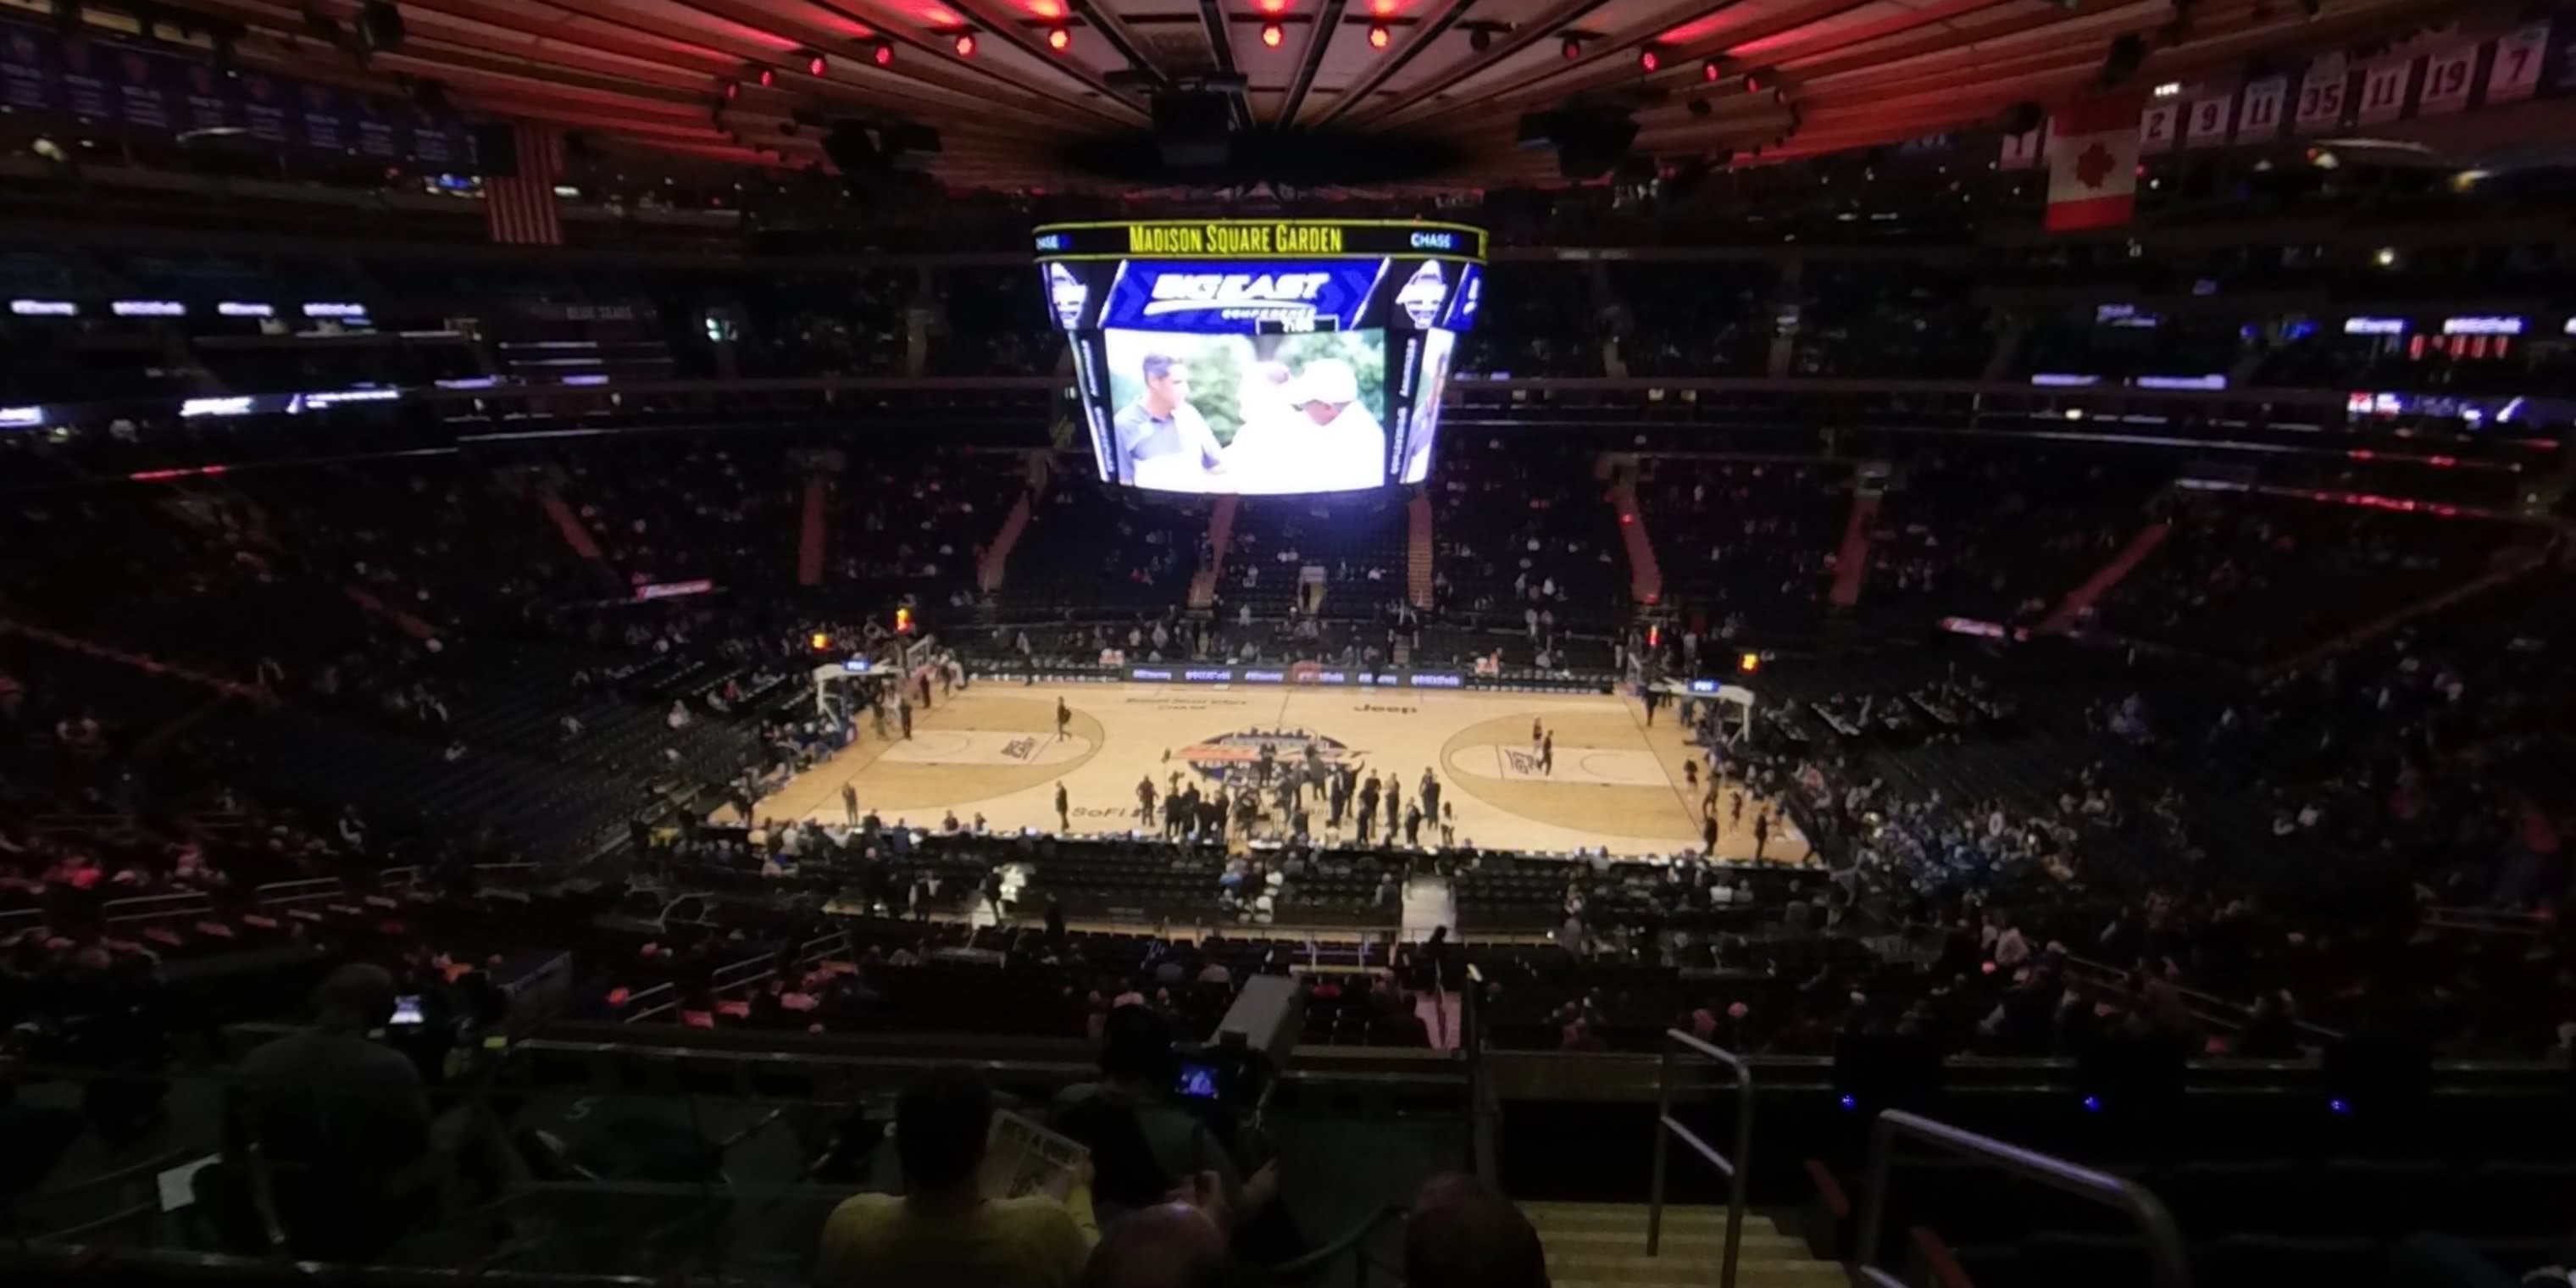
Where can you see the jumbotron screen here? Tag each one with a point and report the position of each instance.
(1262, 357)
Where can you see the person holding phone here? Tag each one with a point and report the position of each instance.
(1147, 1138)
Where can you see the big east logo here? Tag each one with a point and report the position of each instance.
(1238, 296)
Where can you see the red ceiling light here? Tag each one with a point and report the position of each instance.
(732, 90)
(1752, 83)
(816, 65)
(965, 44)
(1272, 34)
(1059, 39)
(1648, 60)
(1379, 36)
(768, 77)
(1572, 49)
(1271, 6)
(1708, 70)
(1383, 8)
(881, 52)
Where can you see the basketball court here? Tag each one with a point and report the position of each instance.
(994, 750)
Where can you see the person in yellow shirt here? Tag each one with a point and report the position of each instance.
(943, 1233)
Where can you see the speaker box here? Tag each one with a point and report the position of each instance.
(380, 26)
(1589, 141)
(1193, 128)
(852, 151)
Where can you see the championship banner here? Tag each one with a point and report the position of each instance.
(2205, 121)
(143, 88)
(2322, 94)
(2258, 112)
(2384, 86)
(2332, 94)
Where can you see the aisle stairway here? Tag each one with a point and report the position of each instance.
(1418, 573)
(1603, 1245)
(1220, 542)
(1851, 563)
(1645, 574)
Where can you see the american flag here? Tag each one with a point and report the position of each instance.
(522, 207)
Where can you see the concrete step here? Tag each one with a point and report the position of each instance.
(1626, 1216)
(1689, 1272)
(1760, 1239)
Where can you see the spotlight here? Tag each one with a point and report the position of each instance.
(1708, 71)
(965, 44)
(816, 65)
(1648, 60)
(732, 90)
(1480, 38)
(1379, 36)
(1382, 8)
(1850, 1102)
(2092, 1104)
(1272, 6)
(768, 77)
(1752, 83)
(1572, 49)
(881, 52)
(1272, 34)
(1059, 39)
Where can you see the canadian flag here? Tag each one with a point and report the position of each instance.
(2093, 163)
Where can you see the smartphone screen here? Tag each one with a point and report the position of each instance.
(1198, 1081)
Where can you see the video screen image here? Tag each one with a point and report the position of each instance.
(1250, 414)
(1423, 421)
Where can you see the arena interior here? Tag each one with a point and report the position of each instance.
(1274, 642)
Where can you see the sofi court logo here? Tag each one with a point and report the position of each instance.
(1238, 297)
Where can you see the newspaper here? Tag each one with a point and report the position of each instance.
(1024, 1158)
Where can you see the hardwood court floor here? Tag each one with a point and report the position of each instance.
(993, 750)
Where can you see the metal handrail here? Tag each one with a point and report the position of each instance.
(1483, 1106)
(1736, 1170)
(2164, 1242)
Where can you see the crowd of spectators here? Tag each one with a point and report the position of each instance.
(2121, 845)
(2002, 536)
(2256, 579)
(1746, 547)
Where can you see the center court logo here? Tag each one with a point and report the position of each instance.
(1235, 758)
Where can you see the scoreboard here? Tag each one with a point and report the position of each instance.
(1262, 356)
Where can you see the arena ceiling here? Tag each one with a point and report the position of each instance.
(1442, 82)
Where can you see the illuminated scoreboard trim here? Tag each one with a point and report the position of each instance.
(1253, 239)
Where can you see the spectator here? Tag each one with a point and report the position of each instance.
(1138, 1072)
(944, 1230)
(1169, 1245)
(341, 1123)
(1465, 1234)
